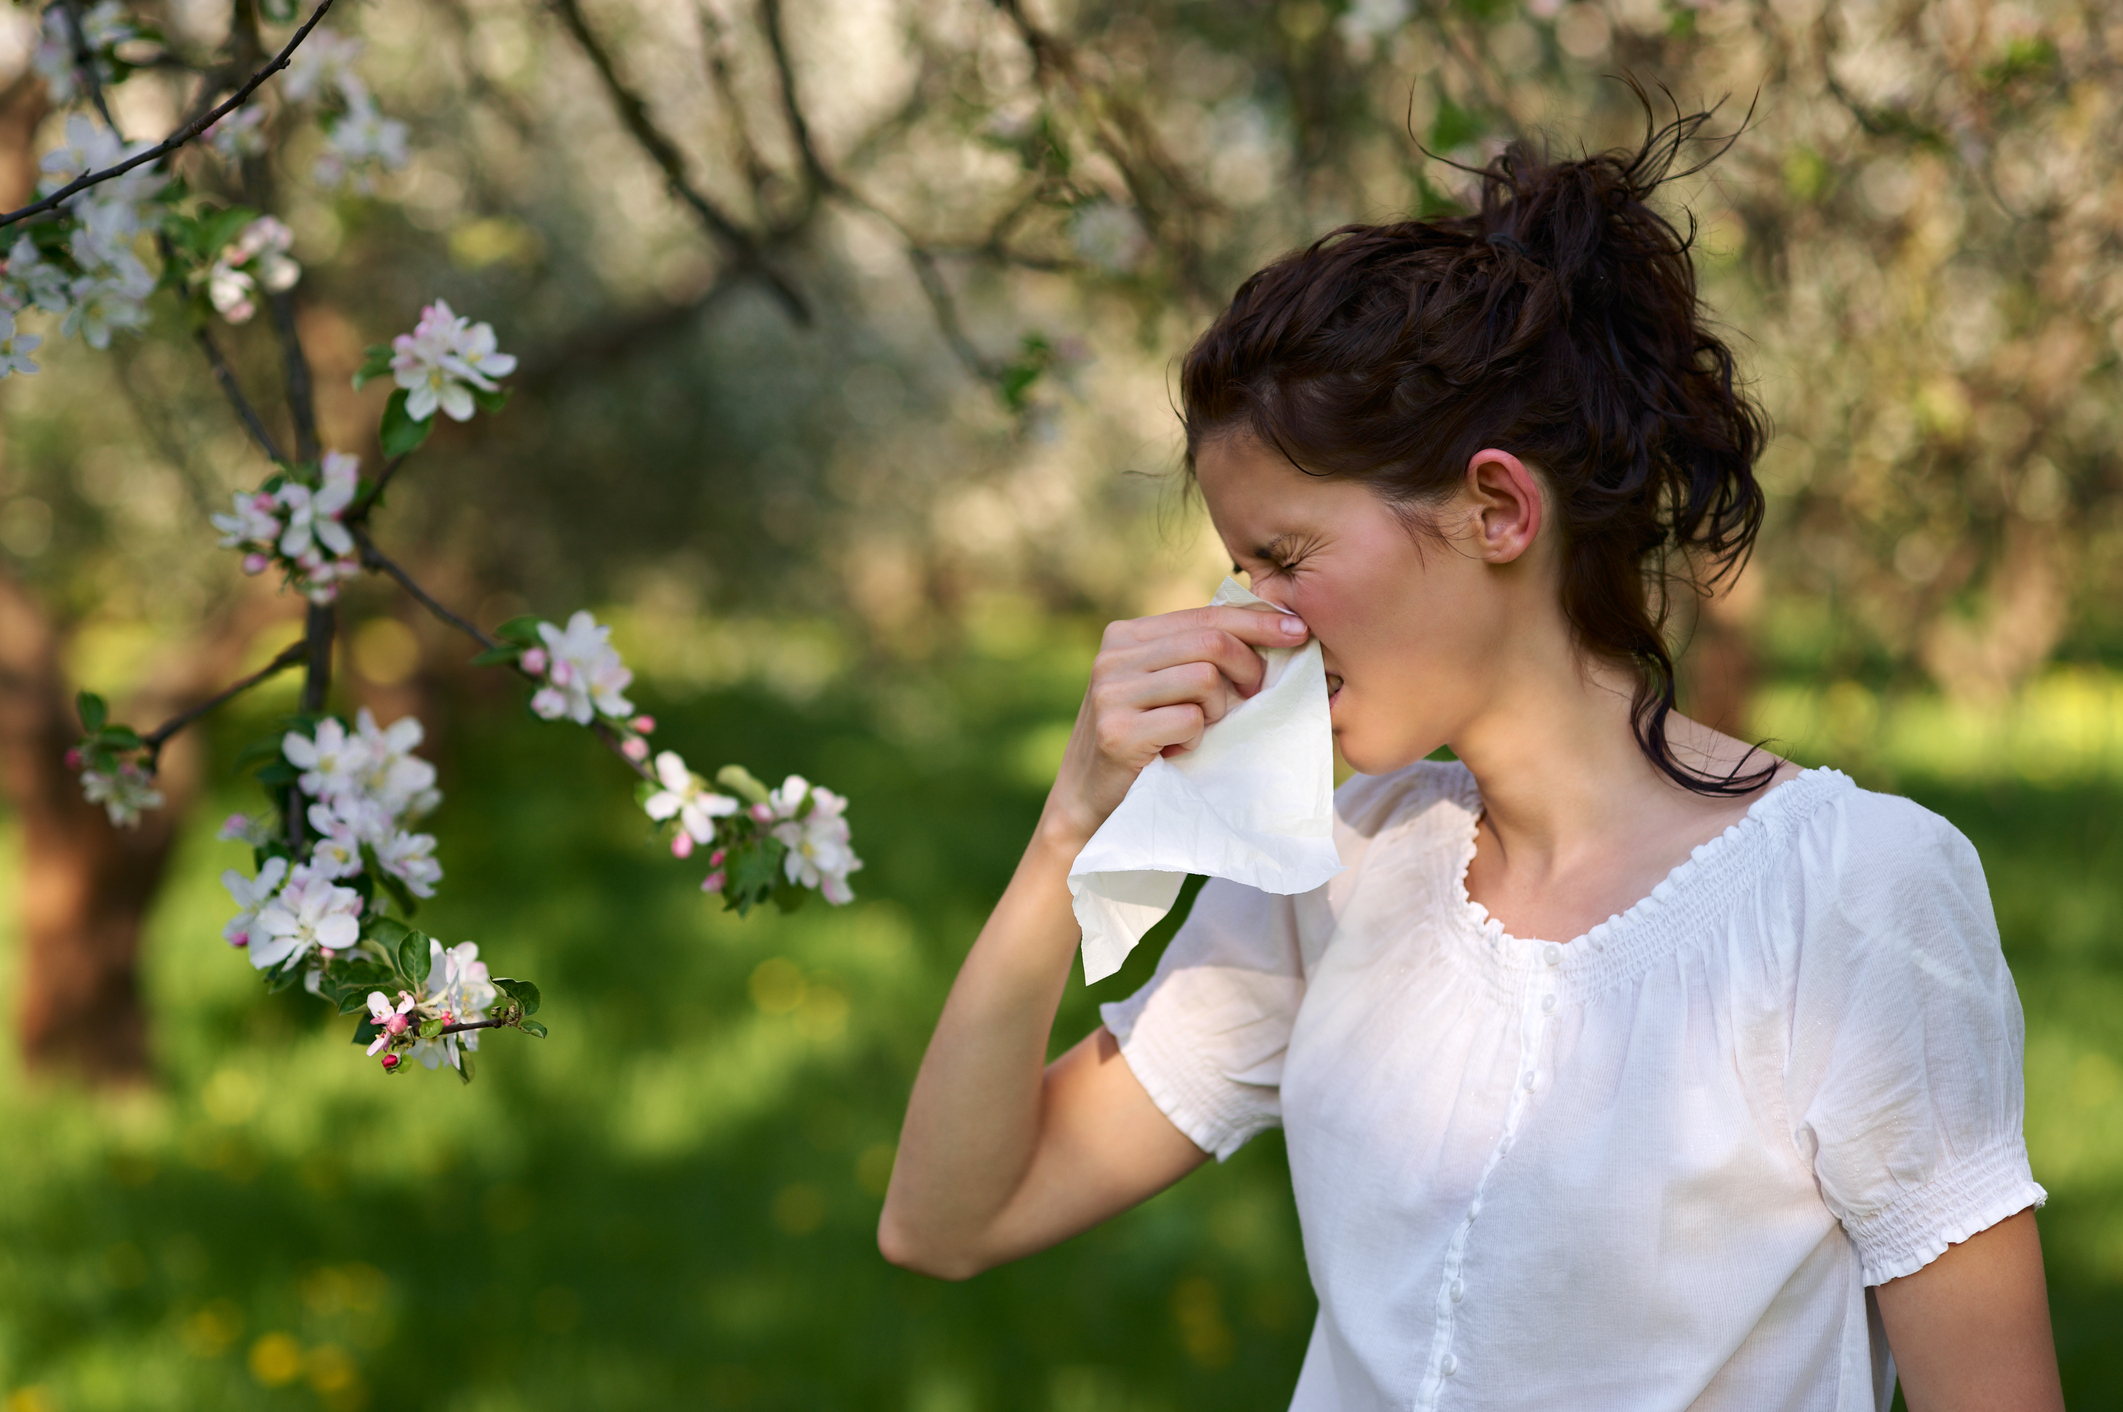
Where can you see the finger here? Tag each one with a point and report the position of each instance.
(1238, 662)
(1174, 730)
(1263, 627)
(1200, 683)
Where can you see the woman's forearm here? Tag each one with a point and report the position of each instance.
(973, 1122)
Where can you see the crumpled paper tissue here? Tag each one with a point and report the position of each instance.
(1254, 802)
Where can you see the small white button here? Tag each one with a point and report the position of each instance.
(1529, 1080)
(1547, 1005)
(1448, 1365)
(1474, 1209)
(1553, 955)
(1459, 1291)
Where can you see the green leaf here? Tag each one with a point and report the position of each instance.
(218, 228)
(375, 363)
(431, 1028)
(399, 892)
(121, 738)
(386, 932)
(414, 958)
(278, 775)
(94, 712)
(365, 1033)
(754, 871)
(738, 779)
(789, 896)
(266, 748)
(522, 992)
(532, 1028)
(523, 629)
(279, 980)
(400, 434)
(353, 998)
(464, 1064)
(491, 401)
(495, 656)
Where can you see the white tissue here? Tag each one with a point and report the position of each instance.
(1254, 802)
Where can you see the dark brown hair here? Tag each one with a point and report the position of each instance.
(1559, 322)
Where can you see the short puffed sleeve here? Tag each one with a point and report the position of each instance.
(1904, 1072)
(1206, 1036)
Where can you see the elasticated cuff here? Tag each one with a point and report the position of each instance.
(1974, 1195)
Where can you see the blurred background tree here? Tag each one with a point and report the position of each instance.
(847, 333)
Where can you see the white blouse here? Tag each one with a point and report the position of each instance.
(1655, 1168)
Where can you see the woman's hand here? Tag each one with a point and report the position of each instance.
(1156, 685)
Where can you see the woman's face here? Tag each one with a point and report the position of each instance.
(1414, 626)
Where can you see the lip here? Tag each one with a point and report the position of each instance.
(1334, 686)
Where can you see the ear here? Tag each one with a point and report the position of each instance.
(1507, 502)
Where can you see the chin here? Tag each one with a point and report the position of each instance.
(1370, 754)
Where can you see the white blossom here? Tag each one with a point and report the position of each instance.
(357, 139)
(122, 793)
(255, 259)
(337, 852)
(32, 279)
(311, 911)
(382, 1013)
(820, 854)
(15, 348)
(458, 984)
(332, 762)
(314, 514)
(240, 134)
(251, 895)
(409, 857)
(323, 65)
(397, 779)
(107, 299)
(686, 795)
(251, 521)
(442, 360)
(102, 26)
(584, 673)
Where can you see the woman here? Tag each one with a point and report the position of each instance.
(1624, 1066)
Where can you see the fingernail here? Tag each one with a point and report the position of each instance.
(1294, 626)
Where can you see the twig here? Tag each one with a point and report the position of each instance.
(301, 400)
(634, 114)
(289, 655)
(375, 559)
(85, 63)
(184, 133)
(474, 1025)
(247, 413)
(369, 499)
(319, 628)
(792, 110)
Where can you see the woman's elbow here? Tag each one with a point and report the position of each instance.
(909, 1250)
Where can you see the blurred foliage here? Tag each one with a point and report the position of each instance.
(672, 1201)
(874, 547)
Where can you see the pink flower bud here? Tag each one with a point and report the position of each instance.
(713, 882)
(562, 673)
(397, 1024)
(263, 501)
(327, 953)
(715, 858)
(240, 939)
(73, 757)
(682, 845)
(255, 564)
(448, 1018)
(390, 1062)
(642, 725)
(534, 661)
(763, 812)
(634, 748)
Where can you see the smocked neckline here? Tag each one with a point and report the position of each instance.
(1774, 802)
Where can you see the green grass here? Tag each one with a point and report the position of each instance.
(671, 1203)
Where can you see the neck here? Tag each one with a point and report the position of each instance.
(1557, 760)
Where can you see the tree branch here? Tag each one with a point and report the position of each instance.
(234, 391)
(634, 115)
(293, 653)
(358, 512)
(301, 399)
(375, 560)
(85, 63)
(184, 133)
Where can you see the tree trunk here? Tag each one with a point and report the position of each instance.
(85, 884)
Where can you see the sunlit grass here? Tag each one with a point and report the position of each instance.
(671, 1202)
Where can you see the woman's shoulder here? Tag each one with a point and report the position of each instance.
(1365, 805)
(1863, 837)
